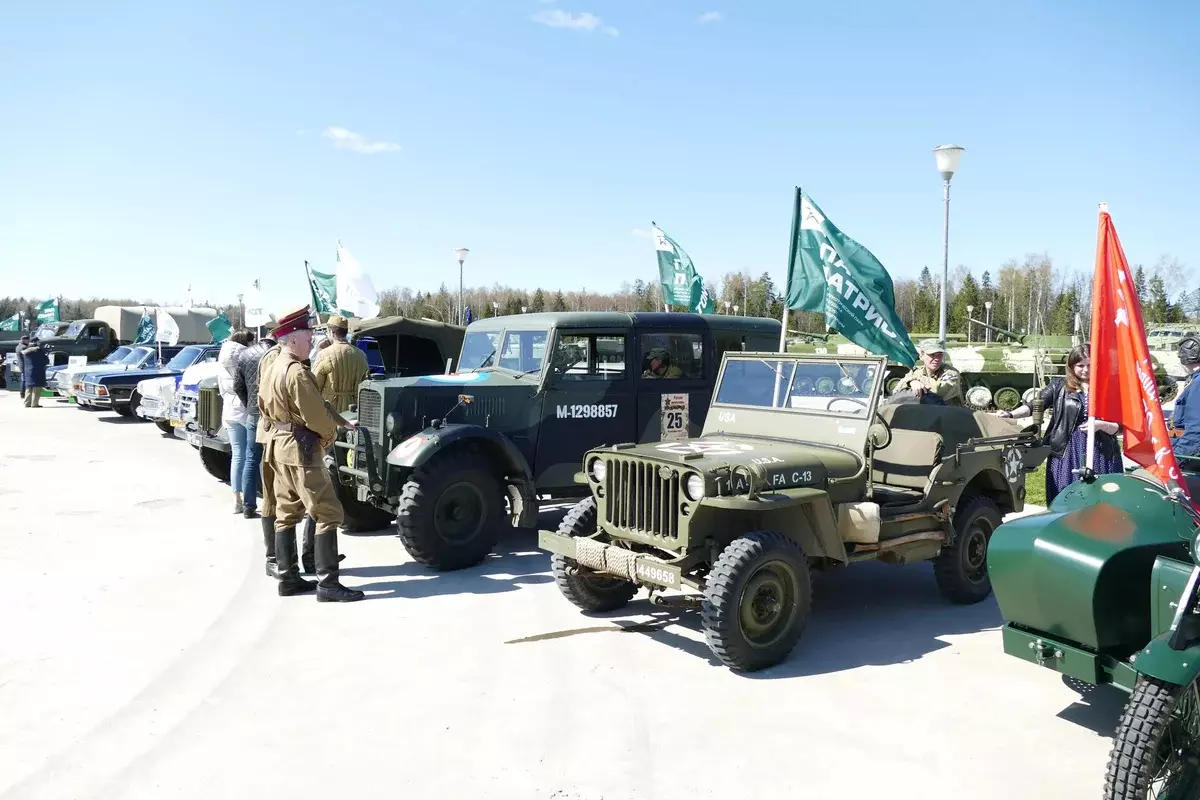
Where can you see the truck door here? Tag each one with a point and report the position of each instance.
(674, 384)
(588, 401)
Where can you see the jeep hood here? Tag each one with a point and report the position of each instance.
(782, 463)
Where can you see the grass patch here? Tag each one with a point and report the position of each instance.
(1035, 486)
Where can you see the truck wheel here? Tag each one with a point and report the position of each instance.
(582, 586)
(1154, 753)
(165, 426)
(216, 463)
(451, 510)
(359, 517)
(757, 600)
(961, 568)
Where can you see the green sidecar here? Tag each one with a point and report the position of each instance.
(1105, 587)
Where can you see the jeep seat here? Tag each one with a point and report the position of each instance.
(908, 460)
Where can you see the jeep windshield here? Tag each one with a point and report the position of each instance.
(835, 387)
(512, 349)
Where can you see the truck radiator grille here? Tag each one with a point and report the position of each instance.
(370, 407)
(208, 409)
(640, 499)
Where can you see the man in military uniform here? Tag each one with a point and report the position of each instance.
(300, 427)
(659, 365)
(340, 367)
(934, 375)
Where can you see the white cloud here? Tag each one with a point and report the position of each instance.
(577, 21)
(357, 143)
(710, 16)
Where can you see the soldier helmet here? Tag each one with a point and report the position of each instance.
(1189, 351)
(295, 320)
(931, 346)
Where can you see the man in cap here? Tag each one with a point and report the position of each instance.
(300, 426)
(658, 365)
(934, 375)
(340, 367)
(1187, 405)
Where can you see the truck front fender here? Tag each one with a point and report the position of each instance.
(419, 448)
(801, 513)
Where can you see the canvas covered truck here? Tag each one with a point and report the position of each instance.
(801, 466)
(112, 326)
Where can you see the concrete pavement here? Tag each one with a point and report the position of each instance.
(146, 655)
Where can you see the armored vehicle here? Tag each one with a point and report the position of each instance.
(457, 457)
(1104, 588)
(799, 467)
(1163, 342)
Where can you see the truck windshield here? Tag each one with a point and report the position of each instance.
(75, 328)
(843, 388)
(185, 359)
(519, 350)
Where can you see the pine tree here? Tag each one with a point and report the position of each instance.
(1139, 282)
(560, 302)
(538, 303)
(968, 295)
(1156, 313)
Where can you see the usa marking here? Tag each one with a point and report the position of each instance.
(587, 411)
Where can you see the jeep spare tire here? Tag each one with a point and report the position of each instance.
(451, 510)
(216, 462)
(585, 588)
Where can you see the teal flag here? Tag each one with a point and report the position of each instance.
(323, 288)
(681, 284)
(13, 323)
(219, 327)
(831, 273)
(48, 311)
(146, 330)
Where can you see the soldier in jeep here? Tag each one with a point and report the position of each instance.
(934, 375)
(658, 365)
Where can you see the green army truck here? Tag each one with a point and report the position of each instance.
(800, 466)
(456, 458)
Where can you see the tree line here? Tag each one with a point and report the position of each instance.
(1030, 296)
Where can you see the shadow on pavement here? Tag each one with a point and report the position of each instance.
(867, 615)
(1098, 708)
(117, 419)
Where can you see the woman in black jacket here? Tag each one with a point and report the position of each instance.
(1067, 402)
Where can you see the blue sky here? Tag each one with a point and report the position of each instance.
(149, 145)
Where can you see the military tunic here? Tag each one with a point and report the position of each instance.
(338, 370)
(946, 383)
(262, 433)
(288, 397)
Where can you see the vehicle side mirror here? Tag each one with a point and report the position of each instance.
(879, 435)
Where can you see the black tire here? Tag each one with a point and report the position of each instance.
(961, 568)
(1159, 723)
(582, 586)
(216, 463)
(754, 574)
(357, 517)
(461, 483)
(127, 410)
(164, 425)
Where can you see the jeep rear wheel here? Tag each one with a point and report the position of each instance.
(216, 463)
(961, 568)
(452, 510)
(586, 588)
(757, 600)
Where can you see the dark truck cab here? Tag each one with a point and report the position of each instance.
(118, 390)
(457, 457)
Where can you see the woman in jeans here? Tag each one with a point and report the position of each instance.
(1067, 403)
(233, 411)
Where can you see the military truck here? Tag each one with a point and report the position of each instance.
(799, 467)
(456, 458)
(113, 326)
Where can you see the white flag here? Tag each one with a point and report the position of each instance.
(256, 314)
(168, 328)
(355, 292)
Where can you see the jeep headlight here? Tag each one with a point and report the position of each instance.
(597, 469)
(389, 423)
(693, 487)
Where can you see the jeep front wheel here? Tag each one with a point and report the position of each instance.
(961, 568)
(216, 463)
(757, 600)
(586, 588)
(451, 510)
(164, 425)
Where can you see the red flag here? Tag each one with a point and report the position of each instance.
(1123, 387)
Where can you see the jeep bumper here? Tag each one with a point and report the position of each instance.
(612, 560)
(197, 439)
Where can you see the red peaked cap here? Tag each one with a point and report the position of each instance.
(297, 320)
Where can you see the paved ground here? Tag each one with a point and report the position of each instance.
(146, 655)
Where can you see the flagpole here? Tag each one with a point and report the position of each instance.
(787, 275)
(1091, 431)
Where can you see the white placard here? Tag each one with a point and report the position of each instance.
(674, 417)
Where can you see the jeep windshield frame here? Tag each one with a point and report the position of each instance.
(801, 397)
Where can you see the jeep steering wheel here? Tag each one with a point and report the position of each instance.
(829, 405)
(879, 417)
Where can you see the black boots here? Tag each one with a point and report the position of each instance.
(288, 570)
(268, 529)
(329, 589)
(308, 561)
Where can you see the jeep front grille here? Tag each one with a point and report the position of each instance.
(642, 497)
(208, 409)
(370, 406)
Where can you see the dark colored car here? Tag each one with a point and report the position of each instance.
(118, 390)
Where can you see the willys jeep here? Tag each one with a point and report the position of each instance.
(458, 457)
(1105, 588)
(799, 467)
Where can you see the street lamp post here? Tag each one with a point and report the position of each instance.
(461, 254)
(970, 312)
(988, 305)
(735, 310)
(727, 307)
(947, 157)
(242, 309)
(495, 308)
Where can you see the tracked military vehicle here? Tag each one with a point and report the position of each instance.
(799, 467)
